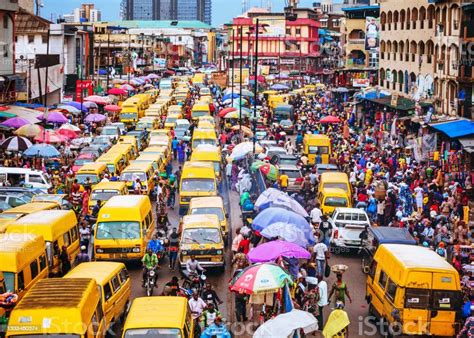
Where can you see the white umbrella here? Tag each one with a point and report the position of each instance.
(276, 198)
(284, 325)
(68, 126)
(287, 232)
(242, 149)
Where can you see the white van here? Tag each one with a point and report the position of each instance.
(347, 225)
(25, 177)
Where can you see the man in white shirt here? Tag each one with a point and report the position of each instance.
(106, 178)
(321, 256)
(316, 214)
(323, 299)
(197, 306)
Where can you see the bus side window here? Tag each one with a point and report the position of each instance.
(382, 279)
(42, 262)
(74, 233)
(107, 291)
(21, 281)
(67, 239)
(34, 269)
(373, 268)
(124, 276)
(115, 283)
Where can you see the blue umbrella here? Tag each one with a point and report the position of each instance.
(229, 96)
(273, 215)
(41, 150)
(77, 105)
(279, 86)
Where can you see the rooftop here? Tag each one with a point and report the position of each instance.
(163, 24)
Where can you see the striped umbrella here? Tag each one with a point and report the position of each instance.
(260, 278)
(16, 143)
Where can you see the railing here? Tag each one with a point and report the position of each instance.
(356, 41)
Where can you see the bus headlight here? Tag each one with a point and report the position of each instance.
(136, 250)
(219, 252)
(98, 250)
(184, 252)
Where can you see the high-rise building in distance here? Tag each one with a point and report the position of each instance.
(167, 10)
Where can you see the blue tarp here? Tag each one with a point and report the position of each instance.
(455, 129)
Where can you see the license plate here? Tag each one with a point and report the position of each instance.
(118, 255)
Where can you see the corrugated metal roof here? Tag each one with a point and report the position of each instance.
(26, 22)
(191, 24)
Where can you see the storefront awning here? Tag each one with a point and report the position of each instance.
(455, 129)
(467, 144)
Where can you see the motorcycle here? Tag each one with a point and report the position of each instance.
(150, 282)
(194, 281)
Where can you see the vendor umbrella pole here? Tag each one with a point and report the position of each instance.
(255, 90)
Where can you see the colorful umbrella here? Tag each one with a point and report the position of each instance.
(245, 130)
(117, 91)
(242, 149)
(276, 198)
(152, 76)
(49, 136)
(270, 251)
(270, 171)
(225, 111)
(98, 99)
(260, 278)
(16, 143)
(112, 108)
(55, 117)
(95, 118)
(15, 122)
(232, 115)
(330, 119)
(279, 86)
(29, 130)
(68, 133)
(41, 150)
(4, 108)
(288, 325)
(5, 115)
(287, 232)
(77, 105)
(71, 127)
(272, 215)
(127, 87)
(70, 109)
(90, 105)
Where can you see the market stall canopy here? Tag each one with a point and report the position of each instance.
(455, 129)
(467, 144)
(270, 251)
(260, 278)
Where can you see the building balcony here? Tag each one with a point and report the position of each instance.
(356, 41)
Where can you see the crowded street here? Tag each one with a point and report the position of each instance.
(295, 172)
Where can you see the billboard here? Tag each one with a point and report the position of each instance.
(273, 27)
(372, 33)
(245, 76)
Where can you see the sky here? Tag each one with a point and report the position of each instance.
(222, 10)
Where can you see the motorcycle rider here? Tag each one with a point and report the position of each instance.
(193, 267)
(150, 262)
(155, 246)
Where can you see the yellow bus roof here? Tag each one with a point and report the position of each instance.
(48, 223)
(137, 166)
(92, 167)
(109, 186)
(206, 154)
(198, 221)
(204, 133)
(157, 312)
(119, 147)
(125, 204)
(201, 106)
(53, 304)
(100, 271)
(32, 207)
(110, 156)
(205, 202)
(316, 137)
(334, 176)
(13, 248)
(154, 149)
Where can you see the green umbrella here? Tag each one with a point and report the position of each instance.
(256, 165)
(270, 171)
(6, 115)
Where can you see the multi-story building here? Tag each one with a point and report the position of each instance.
(466, 69)
(420, 44)
(360, 43)
(286, 46)
(167, 10)
(95, 15)
(8, 8)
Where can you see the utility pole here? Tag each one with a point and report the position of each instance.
(255, 89)
(240, 85)
(232, 70)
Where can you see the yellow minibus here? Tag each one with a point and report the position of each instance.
(139, 170)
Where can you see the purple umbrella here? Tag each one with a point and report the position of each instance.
(270, 251)
(56, 117)
(15, 122)
(77, 105)
(95, 118)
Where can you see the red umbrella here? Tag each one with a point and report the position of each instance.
(260, 78)
(70, 134)
(117, 91)
(330, 119)
(225, 111)
(49, 136)
(4, 108)
(112, 108)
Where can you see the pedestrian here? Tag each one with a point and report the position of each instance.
(85, 235)
(173, 245)
(236, 241)
(209, 295)
(323, 299)
(65, 260)
(174, 146)
(196, 306)
(180, 150)
(340, 290)
(82, 256)
(321, 256)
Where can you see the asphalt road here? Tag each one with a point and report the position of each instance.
(354, 278)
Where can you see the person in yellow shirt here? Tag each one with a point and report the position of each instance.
(284, 182)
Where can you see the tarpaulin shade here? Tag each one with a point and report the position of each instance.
(455, 129)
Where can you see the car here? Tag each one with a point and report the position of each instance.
(284, 159)
(4, 206)
(347, 224)
(102, 142)
(20, 190)
(15, 199)
(323, 168)
(287, 126)
(61, 199)
(272, 151)
(111, 132)
(91, 150)
(295, 177)
(83, 159)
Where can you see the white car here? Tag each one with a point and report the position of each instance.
(111, 132)
(347, 225)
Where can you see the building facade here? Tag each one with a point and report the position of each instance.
(420, 51)
(8, 9)
(167, 10)
(466, 69)
(360, 43)
(289, 47)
